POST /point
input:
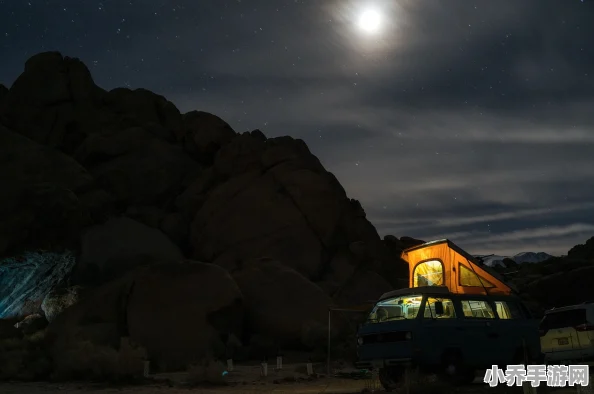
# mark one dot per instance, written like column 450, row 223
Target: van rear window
column 561, row 319
column 508, row 310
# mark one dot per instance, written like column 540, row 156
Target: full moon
column 370, row 21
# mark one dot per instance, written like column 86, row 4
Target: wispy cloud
column 552, row 239
column 461, row 115
column 462, row 220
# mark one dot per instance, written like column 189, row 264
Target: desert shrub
column 210, row 372
column 420, row 383
column 86, row 361
column 25, row 358
column 257, row 348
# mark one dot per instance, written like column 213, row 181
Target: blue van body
column 431, row 328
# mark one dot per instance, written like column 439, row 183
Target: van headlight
column 359, row 341
column 408, row 336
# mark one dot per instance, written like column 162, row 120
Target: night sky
column 471, row 120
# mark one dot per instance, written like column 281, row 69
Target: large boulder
column 26, row 279
column 280, row 303
column 32, row 324
column 54, row 101
column 364, row 287
column 143, row 107
column 111, row 248
column 562, row 288
column 183, row 312
column 248, row 218
column 203, row 134
column 137, row 167
column 179, row 312
column 273, row 198
column 42, row 204
column 58, row 299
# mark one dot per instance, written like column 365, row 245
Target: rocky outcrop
column 571, row 288
column 179, row 312
column 278, row 202
column 203, row 134
column 42, row 204
column 136, row 167
column 557, row 281
column 280, row 302
column 58, row 299
column 32, row 324
column 582, row 251
column 143, row 107
column 363, row 287
column 111, row 248
column 26, row 279
column 54, row 101
column 133, row 187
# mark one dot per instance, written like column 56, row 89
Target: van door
column 438, row 332
column 482, row 346
column 516, row 330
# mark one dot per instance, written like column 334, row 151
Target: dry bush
column 420, row 383
column 210, row 372
column 24, row 358
column 87, row 361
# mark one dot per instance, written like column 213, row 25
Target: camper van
column 567, row 333
column 455, row 318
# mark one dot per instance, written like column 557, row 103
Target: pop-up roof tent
column 442, row 263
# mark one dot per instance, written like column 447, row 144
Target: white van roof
column 583, row 305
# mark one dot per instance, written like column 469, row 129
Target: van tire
column 389, row 377
column 454, row 371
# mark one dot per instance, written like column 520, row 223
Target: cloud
column 461, row 119
column 552, row 239
column 465, row 220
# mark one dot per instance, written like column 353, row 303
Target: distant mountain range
column 520, row 258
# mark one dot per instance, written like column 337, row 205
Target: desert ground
column 247, row 380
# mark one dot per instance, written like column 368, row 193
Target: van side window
column 467, row 277
column 448, row 309
column 428, row 273
column 477, row 309
column 508, row 310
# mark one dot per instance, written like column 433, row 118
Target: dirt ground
column 292, row 379
column 336, row 386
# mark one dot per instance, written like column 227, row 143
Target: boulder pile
column 184, row 231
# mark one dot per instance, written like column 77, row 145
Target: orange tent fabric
column 441, row 263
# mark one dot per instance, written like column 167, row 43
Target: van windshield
column 397, row 308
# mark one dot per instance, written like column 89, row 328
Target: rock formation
column 133, row 188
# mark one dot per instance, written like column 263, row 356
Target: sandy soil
column 247, row 380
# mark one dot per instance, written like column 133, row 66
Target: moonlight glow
column 370, row 21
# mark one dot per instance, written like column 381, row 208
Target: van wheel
column 454, row 371
column 390, row 376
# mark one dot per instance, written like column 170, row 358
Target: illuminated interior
column 428, row 273
column 477, row 309
column 470, row 278
column 448, row 309
column 397, row 308
column 508, row 310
